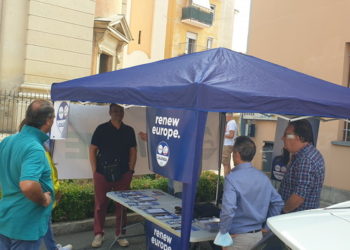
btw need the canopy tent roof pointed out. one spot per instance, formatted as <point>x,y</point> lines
<point>217,80</point>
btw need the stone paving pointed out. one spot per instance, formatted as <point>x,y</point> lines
<point>80,235</point>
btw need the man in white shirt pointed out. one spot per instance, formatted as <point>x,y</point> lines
<point>229,140</point>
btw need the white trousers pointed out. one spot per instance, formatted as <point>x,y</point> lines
<point>244,241</point>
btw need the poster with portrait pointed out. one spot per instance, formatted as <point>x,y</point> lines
<point>59,128</point>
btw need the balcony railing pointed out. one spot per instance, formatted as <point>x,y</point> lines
<point>195,16</point>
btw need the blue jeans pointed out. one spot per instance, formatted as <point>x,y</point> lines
<point>10,244</point>
<point>50,242</point>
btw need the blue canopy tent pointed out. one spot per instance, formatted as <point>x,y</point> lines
<point>217,80</point>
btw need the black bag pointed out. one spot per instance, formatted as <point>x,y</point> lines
<point>111,171</point>
<point>203,210</point>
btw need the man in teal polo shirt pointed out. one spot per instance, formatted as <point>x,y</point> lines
<point>25,180</point>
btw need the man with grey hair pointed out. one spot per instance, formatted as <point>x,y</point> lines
<point>25,179</point>
<point>248,200</point>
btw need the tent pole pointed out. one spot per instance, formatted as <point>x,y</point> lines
<point>189,189</point>
<point>222,124</point>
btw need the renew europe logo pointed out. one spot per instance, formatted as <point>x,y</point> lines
<point>162,153</point>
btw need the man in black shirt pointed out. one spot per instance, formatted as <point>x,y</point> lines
<point>112,157</point>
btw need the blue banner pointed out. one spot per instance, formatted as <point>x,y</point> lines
<point>171,142</point>
<point>158,238</point>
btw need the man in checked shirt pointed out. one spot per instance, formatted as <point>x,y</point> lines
<point>302,183</point>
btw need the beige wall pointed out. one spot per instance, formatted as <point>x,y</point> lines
<point>59,42</point>
<point>265,131</point>
<point>309,37</point>
<point>14,19</point>
<point>141,22</point>
<point>148,17</point>
<point>44,41</point>
<point>301,35</point>
<point>225,32</point>
<point>107,8</point>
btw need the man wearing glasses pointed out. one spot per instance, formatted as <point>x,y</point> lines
<point>302,183</point>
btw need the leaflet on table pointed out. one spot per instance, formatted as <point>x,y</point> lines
<point>141,203</point>
<point>137,197</point>
<point>157,211</point>
<point>166,216</point>
<point>174,222</point>
<point>144,207</point>
<point>128,193</point>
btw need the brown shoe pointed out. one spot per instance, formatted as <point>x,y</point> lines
<point>123,242</point>
<point>97,242</point>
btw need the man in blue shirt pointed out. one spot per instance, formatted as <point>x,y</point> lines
<point>249,198</point>
<point>25,179</point>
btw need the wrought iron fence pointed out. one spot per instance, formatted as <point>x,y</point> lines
<point>13,105</point>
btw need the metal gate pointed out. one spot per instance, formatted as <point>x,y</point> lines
<point>13,105</point>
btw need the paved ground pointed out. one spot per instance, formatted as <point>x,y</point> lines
<point>82,240</point>
<point>80,235</point>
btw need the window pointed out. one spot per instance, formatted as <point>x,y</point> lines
<point>191,42</point>
<point>105,63</point>
<point>191,46</point>
<point>210,43</point>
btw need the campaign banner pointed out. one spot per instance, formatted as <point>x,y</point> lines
<point>171,141</point>
<point>158,238</point>
<point>59,127</point>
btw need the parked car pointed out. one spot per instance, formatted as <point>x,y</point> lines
<point>316,229</point>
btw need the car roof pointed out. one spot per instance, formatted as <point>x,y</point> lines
<point>323,228</point>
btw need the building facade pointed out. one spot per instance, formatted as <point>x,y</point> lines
<point>148,20</point>
<point>48,41</point>
<point>312,38</point>
<point>42,42</point>
<point>197,25</point>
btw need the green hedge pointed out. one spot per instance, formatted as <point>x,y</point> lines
<point>206,187</point>
<point>77,200</point>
